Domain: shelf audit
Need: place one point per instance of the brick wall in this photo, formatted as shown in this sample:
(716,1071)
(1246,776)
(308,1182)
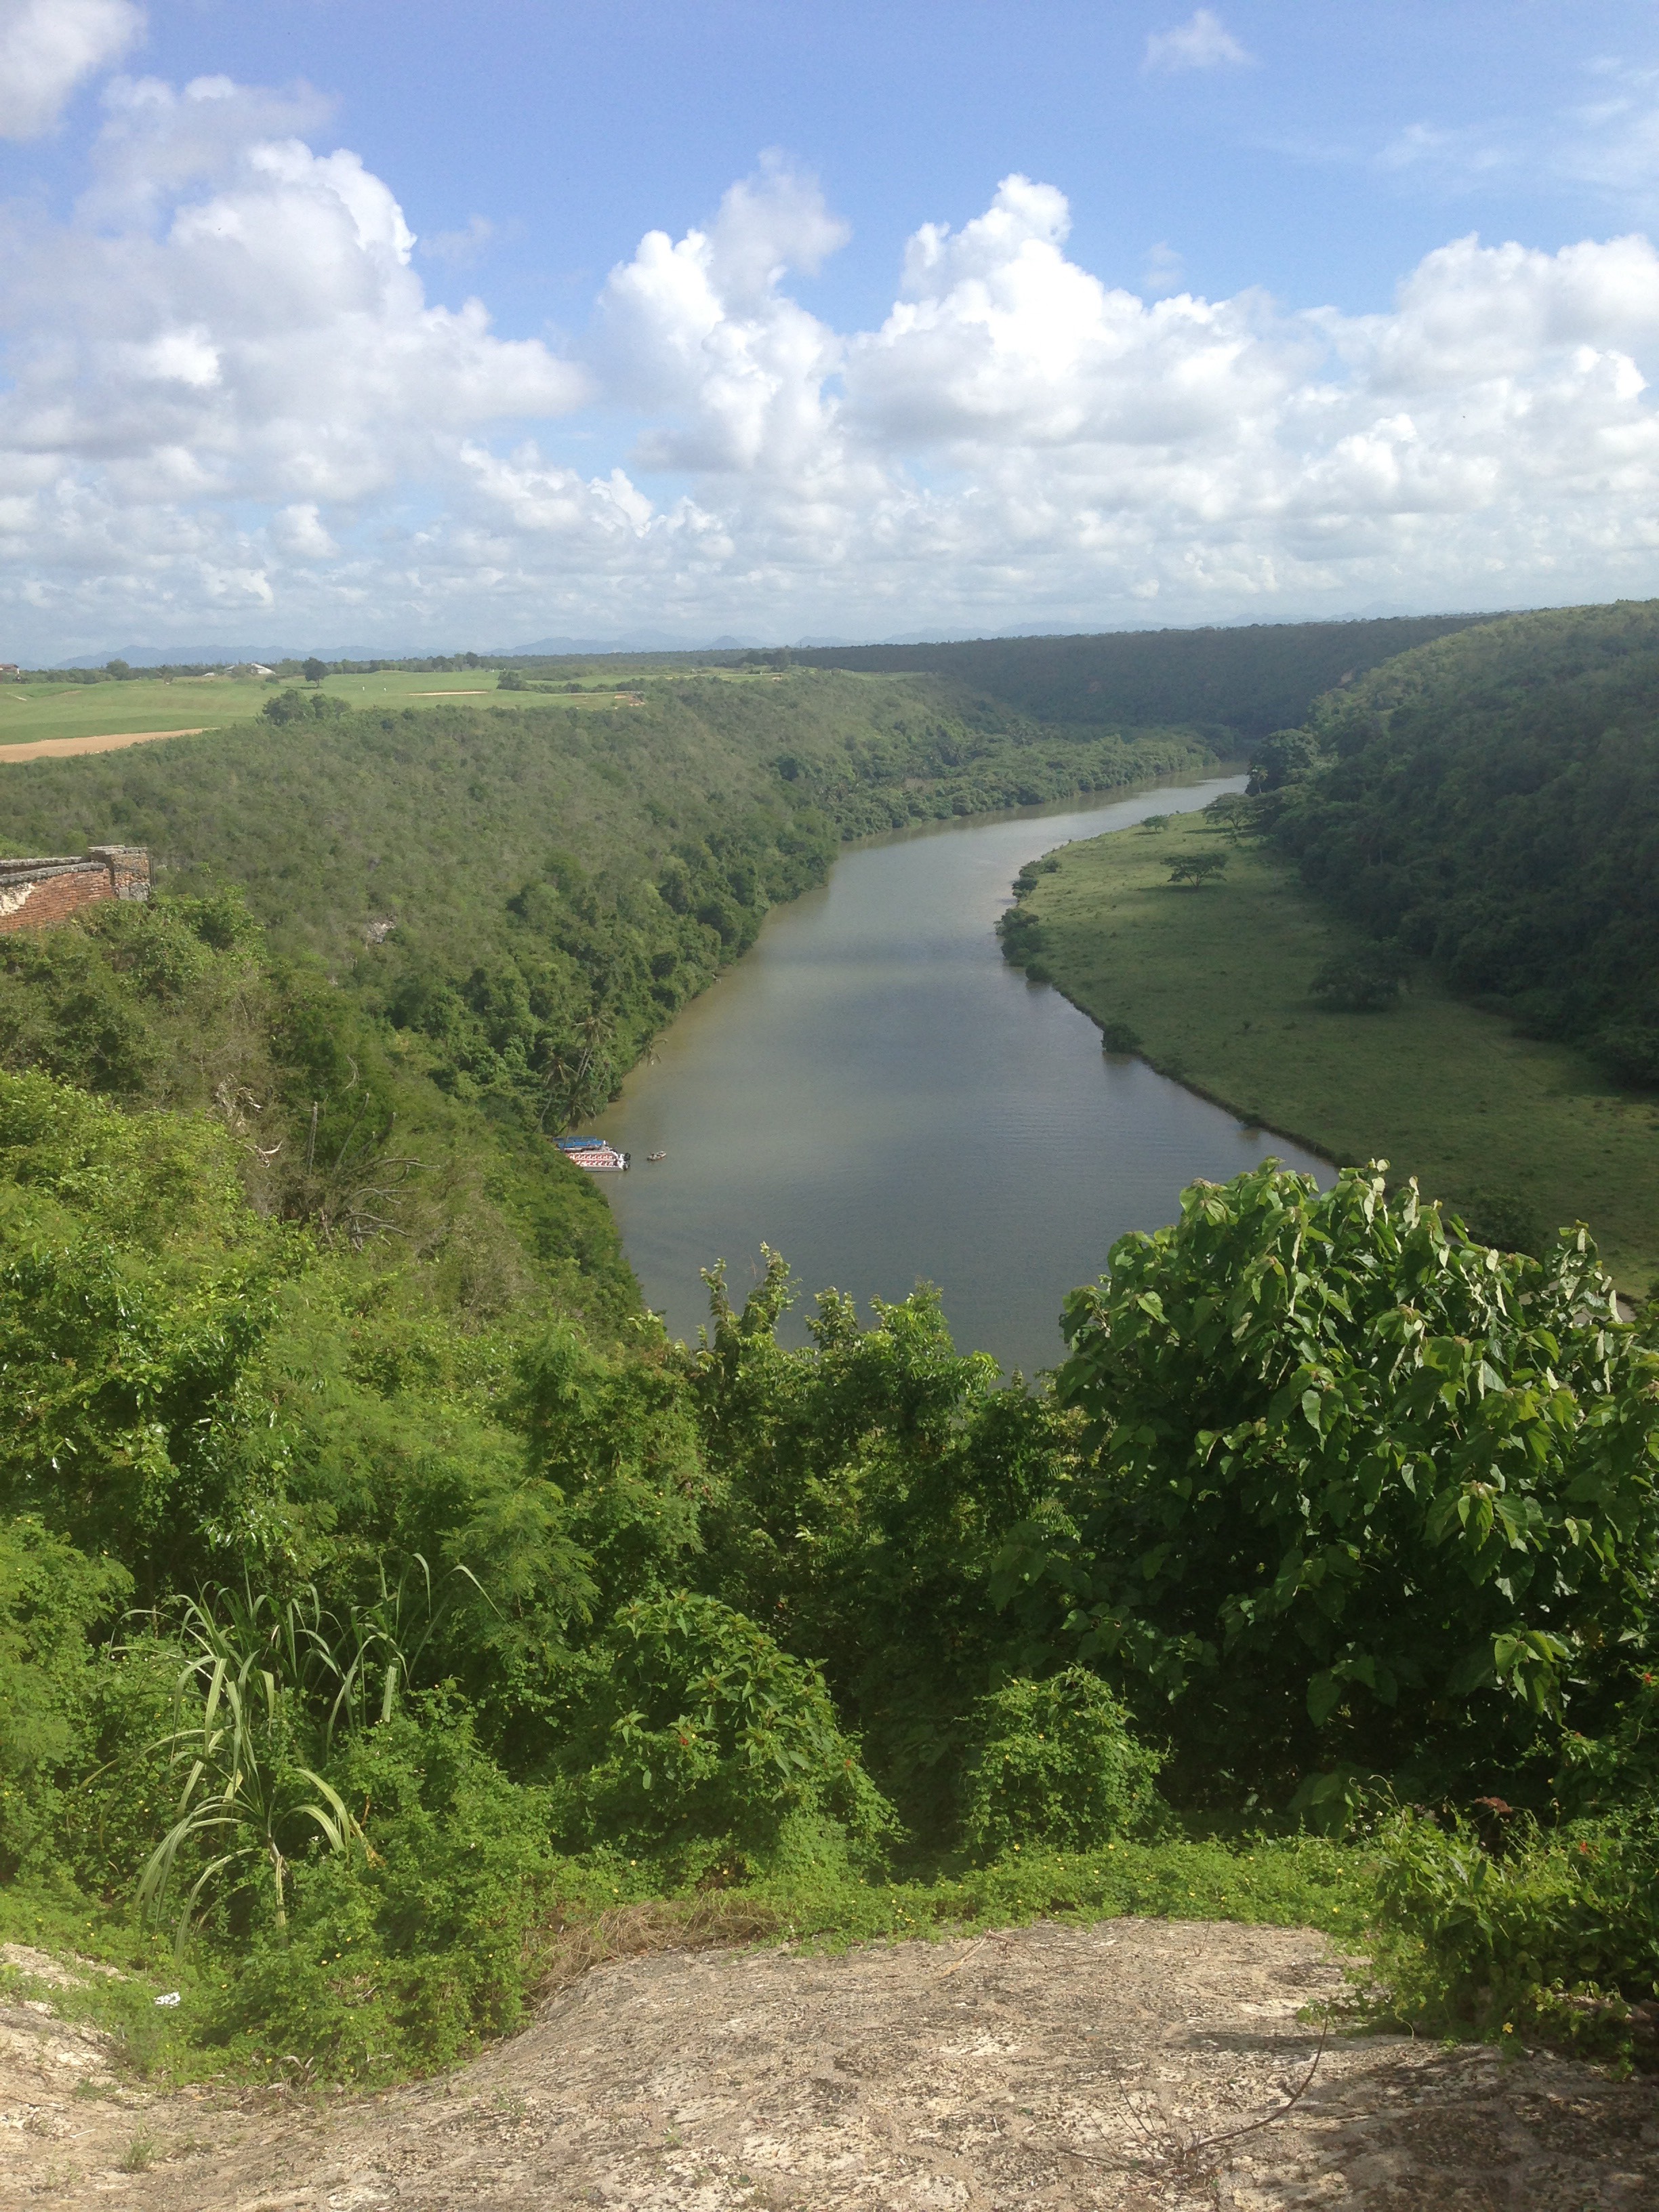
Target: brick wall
(35,894)
(129,868)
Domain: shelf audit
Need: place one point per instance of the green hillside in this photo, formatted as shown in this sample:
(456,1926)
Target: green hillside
(1517,1133)
(1492,803)
(1476,824)
(526,894)
(391,1616)
(1250,680)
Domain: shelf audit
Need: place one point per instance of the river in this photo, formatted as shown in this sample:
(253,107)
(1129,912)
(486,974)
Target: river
(875,1093)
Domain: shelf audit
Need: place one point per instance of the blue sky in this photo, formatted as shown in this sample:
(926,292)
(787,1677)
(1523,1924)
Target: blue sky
(333,320)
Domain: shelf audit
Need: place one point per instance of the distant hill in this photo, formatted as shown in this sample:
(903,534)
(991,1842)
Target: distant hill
(218,656)
(1494,805)
(1252,681)
(1245,680)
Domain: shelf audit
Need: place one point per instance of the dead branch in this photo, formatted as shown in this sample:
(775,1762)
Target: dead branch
(1229,2135)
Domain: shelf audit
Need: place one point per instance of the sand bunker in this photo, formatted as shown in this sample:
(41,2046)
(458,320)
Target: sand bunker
(62,748)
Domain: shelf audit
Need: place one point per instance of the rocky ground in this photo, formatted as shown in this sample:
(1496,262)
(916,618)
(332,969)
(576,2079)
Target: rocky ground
(1133,2063)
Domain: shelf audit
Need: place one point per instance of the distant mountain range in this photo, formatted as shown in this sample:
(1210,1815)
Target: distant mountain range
(184,656)
(157,656)
(153,656)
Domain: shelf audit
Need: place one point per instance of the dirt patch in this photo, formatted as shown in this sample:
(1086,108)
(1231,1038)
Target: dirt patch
(62,748)
(1124,2065)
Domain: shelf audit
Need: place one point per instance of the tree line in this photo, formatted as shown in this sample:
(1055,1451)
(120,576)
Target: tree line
(1490,802)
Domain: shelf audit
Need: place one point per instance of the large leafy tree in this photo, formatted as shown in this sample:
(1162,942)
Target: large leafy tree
(1358,1489)
(860,1487)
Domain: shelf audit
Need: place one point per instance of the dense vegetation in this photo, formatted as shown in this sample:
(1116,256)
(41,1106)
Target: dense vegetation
(1236,683)
(544,889)
(1263,997)
(1491,802)
(363,1638)
(380,1593)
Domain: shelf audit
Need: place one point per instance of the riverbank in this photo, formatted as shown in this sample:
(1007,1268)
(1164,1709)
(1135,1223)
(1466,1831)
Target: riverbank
(882,1059)
(1213,984)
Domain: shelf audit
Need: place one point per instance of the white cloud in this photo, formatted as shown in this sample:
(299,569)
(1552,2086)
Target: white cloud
(702,331)
(1609,144)
(300,530)
(231,322)
(1165,270)
(1204,43)
(225,391)
(1612,142)
(459,249)
(49,47)
(1018,440)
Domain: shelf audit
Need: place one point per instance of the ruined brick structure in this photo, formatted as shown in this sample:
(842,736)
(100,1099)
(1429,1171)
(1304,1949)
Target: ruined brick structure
(34,893)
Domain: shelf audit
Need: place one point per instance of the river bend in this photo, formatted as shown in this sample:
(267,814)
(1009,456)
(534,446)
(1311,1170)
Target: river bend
(875,1093)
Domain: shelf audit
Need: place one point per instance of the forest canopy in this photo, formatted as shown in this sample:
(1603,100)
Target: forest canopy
(1491,802)
(382,1592)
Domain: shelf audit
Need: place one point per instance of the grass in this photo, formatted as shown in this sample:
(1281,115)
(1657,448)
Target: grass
(606,1909)
(32,711)
(113,1970)
(1300,1882)
(1213,983)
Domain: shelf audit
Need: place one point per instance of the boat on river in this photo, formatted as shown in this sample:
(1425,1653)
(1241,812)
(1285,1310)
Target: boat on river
(593,1153)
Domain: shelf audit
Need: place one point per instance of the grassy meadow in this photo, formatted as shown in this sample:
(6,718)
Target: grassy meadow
(29,712)
(1213,983)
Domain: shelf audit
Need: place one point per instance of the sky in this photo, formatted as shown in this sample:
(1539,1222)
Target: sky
(412,327)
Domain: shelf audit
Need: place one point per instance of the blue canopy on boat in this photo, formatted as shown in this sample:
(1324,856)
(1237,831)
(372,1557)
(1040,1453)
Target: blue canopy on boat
(579,1143)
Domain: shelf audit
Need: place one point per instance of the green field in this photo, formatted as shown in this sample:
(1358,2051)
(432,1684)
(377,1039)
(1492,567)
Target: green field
(1214,984)
(32,711)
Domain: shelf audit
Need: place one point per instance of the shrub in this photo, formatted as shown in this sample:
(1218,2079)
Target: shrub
(1361,1491)
(1055,1764)
(1630,1052)
(51,1595)
(1365,981)
(696,1728)
(1021,935)
(1523,1935)
(239,1743)
(402,1956)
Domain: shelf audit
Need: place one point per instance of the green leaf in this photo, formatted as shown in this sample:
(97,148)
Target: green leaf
(1324,1696)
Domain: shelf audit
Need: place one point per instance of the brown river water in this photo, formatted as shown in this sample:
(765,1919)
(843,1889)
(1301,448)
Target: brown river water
(874,1092)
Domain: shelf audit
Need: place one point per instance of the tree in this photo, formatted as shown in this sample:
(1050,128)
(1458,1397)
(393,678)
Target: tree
(1358,1489)
(1287,757)
(1363,981)
(314,670)
(1195,868)
(1232,814)
(292,706)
